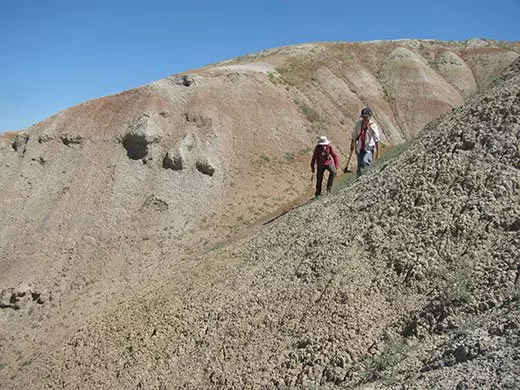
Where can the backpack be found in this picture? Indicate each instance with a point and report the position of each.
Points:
(325, 153)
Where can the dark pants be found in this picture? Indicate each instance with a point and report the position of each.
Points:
(319, 178)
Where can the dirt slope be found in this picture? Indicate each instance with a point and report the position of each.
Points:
(407, 277)
(108, 196)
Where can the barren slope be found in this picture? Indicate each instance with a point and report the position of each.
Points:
(408, 275)
(105, 197)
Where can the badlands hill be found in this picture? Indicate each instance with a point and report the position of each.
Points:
(144, 190)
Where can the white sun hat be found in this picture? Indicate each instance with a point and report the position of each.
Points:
(323, 140)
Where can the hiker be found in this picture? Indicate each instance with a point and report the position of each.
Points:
(325, 158)
(365, 140)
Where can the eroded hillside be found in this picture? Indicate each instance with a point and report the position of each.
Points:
(407, 276)
(108, 196)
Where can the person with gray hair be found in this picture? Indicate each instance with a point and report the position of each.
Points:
(325, 158)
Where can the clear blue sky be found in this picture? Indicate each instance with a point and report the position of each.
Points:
(58, 53)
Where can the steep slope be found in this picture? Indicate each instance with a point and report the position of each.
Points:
(110, 195)
(407, 277)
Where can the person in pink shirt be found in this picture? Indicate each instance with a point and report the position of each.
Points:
(325, 158)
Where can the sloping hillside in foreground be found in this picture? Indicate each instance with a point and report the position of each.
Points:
(407, 278)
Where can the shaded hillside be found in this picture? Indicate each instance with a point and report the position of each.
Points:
(104, 198)
(409, 276)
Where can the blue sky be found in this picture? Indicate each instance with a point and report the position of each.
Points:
(58, 53)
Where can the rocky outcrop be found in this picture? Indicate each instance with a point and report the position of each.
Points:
(67, 139)
(205, 168)
(173, 160)
(21, 297)
(19, 142)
